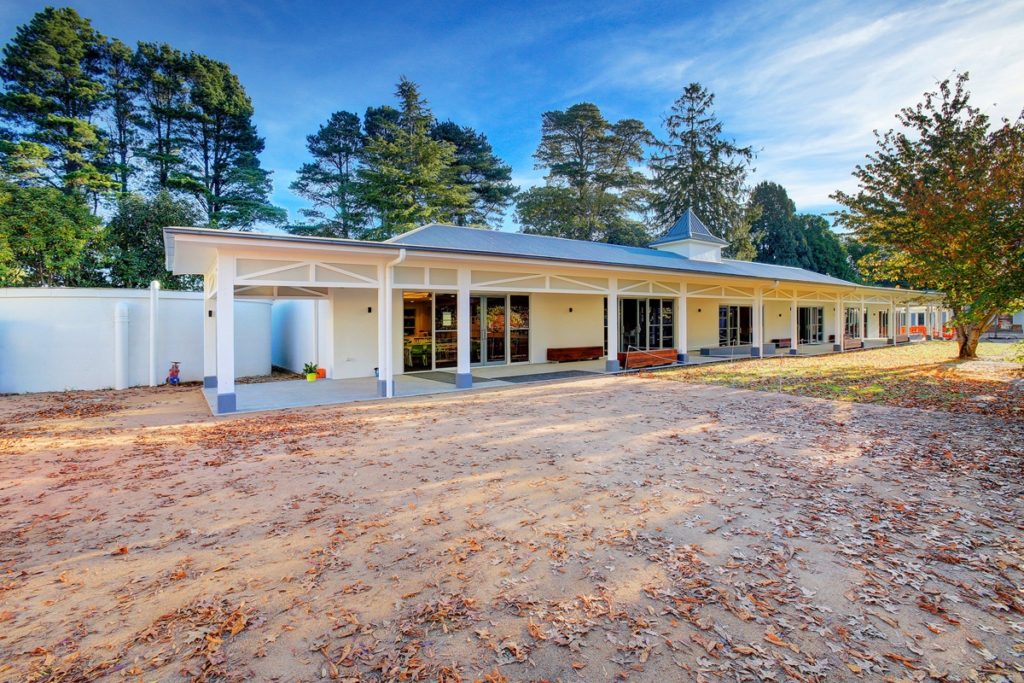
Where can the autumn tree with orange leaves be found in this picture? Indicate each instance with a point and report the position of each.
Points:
(942, 202)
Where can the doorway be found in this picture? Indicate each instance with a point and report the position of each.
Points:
(810, 324)
(488, 330)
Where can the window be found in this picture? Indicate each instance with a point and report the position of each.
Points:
(734, 325)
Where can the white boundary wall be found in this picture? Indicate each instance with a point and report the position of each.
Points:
(56, 339)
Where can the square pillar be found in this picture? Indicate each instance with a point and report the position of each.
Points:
(225, 319)
(382, 332)
(794, 328)
(611, 363)
(862, 327)
(681, 332)
(907, 318)
(463, 373)
(891, 331)
(757, 320)
(839, 325)
(325, 333)
(209, 331)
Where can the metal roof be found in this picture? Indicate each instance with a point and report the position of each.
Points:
(689, 227)
(513, 244)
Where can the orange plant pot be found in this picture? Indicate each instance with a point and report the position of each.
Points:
(321, 373)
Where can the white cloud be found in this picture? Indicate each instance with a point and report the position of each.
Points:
(807, 86)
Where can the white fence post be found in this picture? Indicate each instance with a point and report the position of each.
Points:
(122, 318)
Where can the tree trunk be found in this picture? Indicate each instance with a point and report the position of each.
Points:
(967, 337)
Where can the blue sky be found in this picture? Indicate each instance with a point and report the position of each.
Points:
(804, 83)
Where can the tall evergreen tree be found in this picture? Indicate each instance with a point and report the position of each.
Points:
(122, 90)
(826, 252)
(779, 239)
(594, 190)
(162, 73)
(697, 167)
(52, 73)
(407, 177)
(330, 180)
(221, 167)
(477, 167)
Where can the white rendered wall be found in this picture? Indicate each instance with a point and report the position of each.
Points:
(56, 339)
(355, 332)
(292, 336)
(552, 326)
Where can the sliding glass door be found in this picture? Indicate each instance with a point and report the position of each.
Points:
(735, 326)
(811, 324)
(644, 324)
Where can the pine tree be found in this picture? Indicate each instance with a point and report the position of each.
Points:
(407, 177)
(477, 167)
(696, 167)
(330, 180)
(220, 164)
(52, 73)
(594, 190)
(121, 83)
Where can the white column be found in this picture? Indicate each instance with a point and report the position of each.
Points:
(325, 333)
(154, 305)
(209, 332)
(389, 331)
(907, 319)
(862, 328)
(892, 321)
(225, 318)
(794, 328)
(463, 372)
(758, 322)
(840, 325)
(611, 363)
(382, 331)
(681, 331)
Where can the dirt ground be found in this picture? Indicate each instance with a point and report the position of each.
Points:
(615, 528)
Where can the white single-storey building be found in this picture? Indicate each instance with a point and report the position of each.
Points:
(451, 299)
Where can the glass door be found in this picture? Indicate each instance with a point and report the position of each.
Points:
(519, 328)
(417, 331)
(495, 316)
(488, 330)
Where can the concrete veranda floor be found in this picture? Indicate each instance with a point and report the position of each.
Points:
(260, 396)
(300, 393)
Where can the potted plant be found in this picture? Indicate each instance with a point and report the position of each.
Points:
(310, 370)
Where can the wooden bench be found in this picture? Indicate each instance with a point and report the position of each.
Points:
(783, 343)
(850, 343)
(572, 353)
(647, 359)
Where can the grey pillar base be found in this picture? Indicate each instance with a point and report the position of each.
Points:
(837, 347)
(210, 382)
(680, 357)
(463, 380)
(793, 351)
(226, 403)
(755, 352)
(382, 388)
(611, 365)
